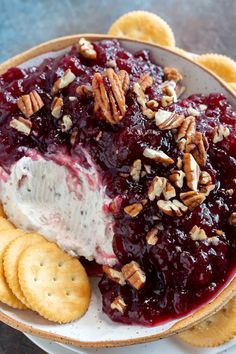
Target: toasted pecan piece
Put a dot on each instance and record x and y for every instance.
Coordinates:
(192, 199)
(205, 178)
(192, 171)
(232, 219)
(84, 91)
(135, 170)
(158, 156)
(56, 107)
(67, 78)
(114, 275)
(109, 97)
(86, 49)
(169, 191)
(124, 79)
(197, 234)
(220, 133)
(187, 128)
(134, 274)
(156, 187)
(177, 178)
(133, 209)
(145, 81)
(22, 125)
(197, 144)
(151, 236)
(30, 104)
(168, 120)
(172, 207)
(172, 74)
(118, 304)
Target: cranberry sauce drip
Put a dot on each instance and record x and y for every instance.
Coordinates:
(181, 273)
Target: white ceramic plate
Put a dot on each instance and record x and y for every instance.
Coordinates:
(95, 329)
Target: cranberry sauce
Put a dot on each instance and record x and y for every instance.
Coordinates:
(181, 273)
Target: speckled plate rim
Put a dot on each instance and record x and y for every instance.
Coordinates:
(202, 313)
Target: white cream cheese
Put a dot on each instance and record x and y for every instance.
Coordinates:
(64, 205)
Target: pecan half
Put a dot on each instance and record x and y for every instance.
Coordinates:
(219, 133)
(22, 125)
(197, 234)
(187, 128)
(114, 275)
(30, 104)
(84, 91)
(56, 107)
(168, 120)
(192, 171)
(192, 199)
(86, 49)
(124, 79)
(63, 82)
(177, 178)
(134, 274)
(118, 304)
(232, 219)
(145, 81)
(158, 156)
(197, 144)
(151, 236)
(172, 74)
(109, 96)
(172, 208)
(133, 209)
(156, 188)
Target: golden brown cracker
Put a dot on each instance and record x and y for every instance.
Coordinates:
(10, 262)
(2, 212)
(215, 330)
(54, 284)
(6, 295)
(221, 65)
(182, 52)
(233, 85)
(5, 224)
(143, 25)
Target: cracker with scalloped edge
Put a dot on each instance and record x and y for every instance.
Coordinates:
(10, 262)
(6, 295)
(215, 330)
(54, 283)
(143, 25)
(221, 65)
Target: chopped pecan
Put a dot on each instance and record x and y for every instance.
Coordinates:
(56, 107)
(169, 191)
(151, 236)
(142, 100)
(110, 98)
(114, 275)
(133, 209)
(152, 104)
(187, 128)
(219, 133)
(73, 136)
(86, 49)
(63, 82)
(202, 107)
(30, 104)
(213, 240)
(197, 234)
(230, 191)
(205, 178)
(179, 163)
(172, 74)
(84, 91)
(148, 169)
(192, 171)
(177, 177)
(134, 274)
(192, 199)
(172, 208)
(156, 188)
(232, 219)
(182, 145)
(145, 81)
(168, 120)
(66, 123)
(22, 125)
(124, 79)
(98, 137)
(193, 112)
(135, 170)
(118, 304)
(197, 144)
(219, 232)
(167, 101)
(158, 156)
(207, 189)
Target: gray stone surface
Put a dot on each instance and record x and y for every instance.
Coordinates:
(199, 25)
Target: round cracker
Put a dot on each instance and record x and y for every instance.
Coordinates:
(6, 295)
(221, 65)
(5, 224)
(54, 284)
(215, 330)
(233, 85)
(143, 25)
(10, 262)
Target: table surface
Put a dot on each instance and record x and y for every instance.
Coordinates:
(199, 26)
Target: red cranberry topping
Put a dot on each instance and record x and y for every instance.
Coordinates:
(181, 273)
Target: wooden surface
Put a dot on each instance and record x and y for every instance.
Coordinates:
(199, 26)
